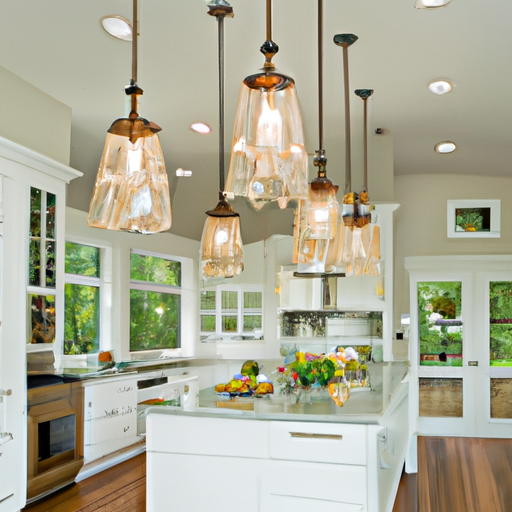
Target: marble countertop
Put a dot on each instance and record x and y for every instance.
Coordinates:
(389, 387)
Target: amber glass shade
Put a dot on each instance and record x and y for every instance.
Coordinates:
(132, 190)
(221, 243)
(269, 161)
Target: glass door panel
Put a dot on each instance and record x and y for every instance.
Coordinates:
(441, 398)
(440, 323)
(501, 398)
(500, 323)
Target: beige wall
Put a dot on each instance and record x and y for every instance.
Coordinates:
(421, 221)
(34, 119)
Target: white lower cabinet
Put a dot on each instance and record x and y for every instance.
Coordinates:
(110, 417)
(307, 486)
(219, 463)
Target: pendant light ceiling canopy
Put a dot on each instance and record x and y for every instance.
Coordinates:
(268, 155)
(132, 190)
(221, 242)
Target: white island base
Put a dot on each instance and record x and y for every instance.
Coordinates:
(293, 459)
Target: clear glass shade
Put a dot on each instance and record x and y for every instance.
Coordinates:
(221, 247)
(132, 190)
(355, 250)
(353, 246)
(269, 161)
(316, 223)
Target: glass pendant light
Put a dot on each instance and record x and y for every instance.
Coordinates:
(317, 218)
(221, 243)
(357, 243)
(132, 190)
(269, 162)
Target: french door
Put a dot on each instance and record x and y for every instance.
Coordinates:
(461, 346)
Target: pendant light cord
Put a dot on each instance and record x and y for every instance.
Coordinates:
(320, 77)
(269, 20)
(135, 30)
(365, 138)
(220, 20)
(348, 157)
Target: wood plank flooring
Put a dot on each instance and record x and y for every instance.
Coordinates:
(458, 474)
(454, 475)
(121, 488)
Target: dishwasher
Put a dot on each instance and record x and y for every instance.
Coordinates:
(174, 391)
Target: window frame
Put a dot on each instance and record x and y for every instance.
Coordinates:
(241, 312)
(134, 284)
(104, 283)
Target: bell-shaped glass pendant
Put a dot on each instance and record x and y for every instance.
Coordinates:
(269, 161)
(221, 243)
(132, 190)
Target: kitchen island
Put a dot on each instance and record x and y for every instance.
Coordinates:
(282, 455)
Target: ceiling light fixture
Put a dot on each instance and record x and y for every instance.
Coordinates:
(440, 87)
(317, 218)
(431, 4)
(201, 128)
(268, 123)
(445, 147)
(117, 26)
(132, 190)
(221, 251)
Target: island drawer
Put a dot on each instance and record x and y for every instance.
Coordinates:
(318, 442)
(307, 486)
(206, 435)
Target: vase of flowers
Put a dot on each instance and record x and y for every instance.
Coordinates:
(311, 372)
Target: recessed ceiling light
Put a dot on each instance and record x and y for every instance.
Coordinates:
(431, 4)
(117, 27)
(200, 127)
(440, 87)
(445, 147)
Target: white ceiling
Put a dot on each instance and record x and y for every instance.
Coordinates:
(59, 47)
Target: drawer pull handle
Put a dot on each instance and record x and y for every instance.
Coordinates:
(307, 435)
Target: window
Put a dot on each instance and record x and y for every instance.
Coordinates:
(81, 299)
(155, 302)
(230, 311)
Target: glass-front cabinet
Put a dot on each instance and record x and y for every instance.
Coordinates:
(42, 269)
(461, 345)
(321, 312)
(32, 196)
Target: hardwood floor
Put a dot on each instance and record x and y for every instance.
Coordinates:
(455, 474)
(464, 474)
(118, 489)
(458, 474)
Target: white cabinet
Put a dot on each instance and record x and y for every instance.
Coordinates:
(110, 416)
(301, 487)
(351, 299)
(227, 461)
(20, 169)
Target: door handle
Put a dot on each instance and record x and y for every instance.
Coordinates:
(472, 363)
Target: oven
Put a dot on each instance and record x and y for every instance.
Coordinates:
(55, 434)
